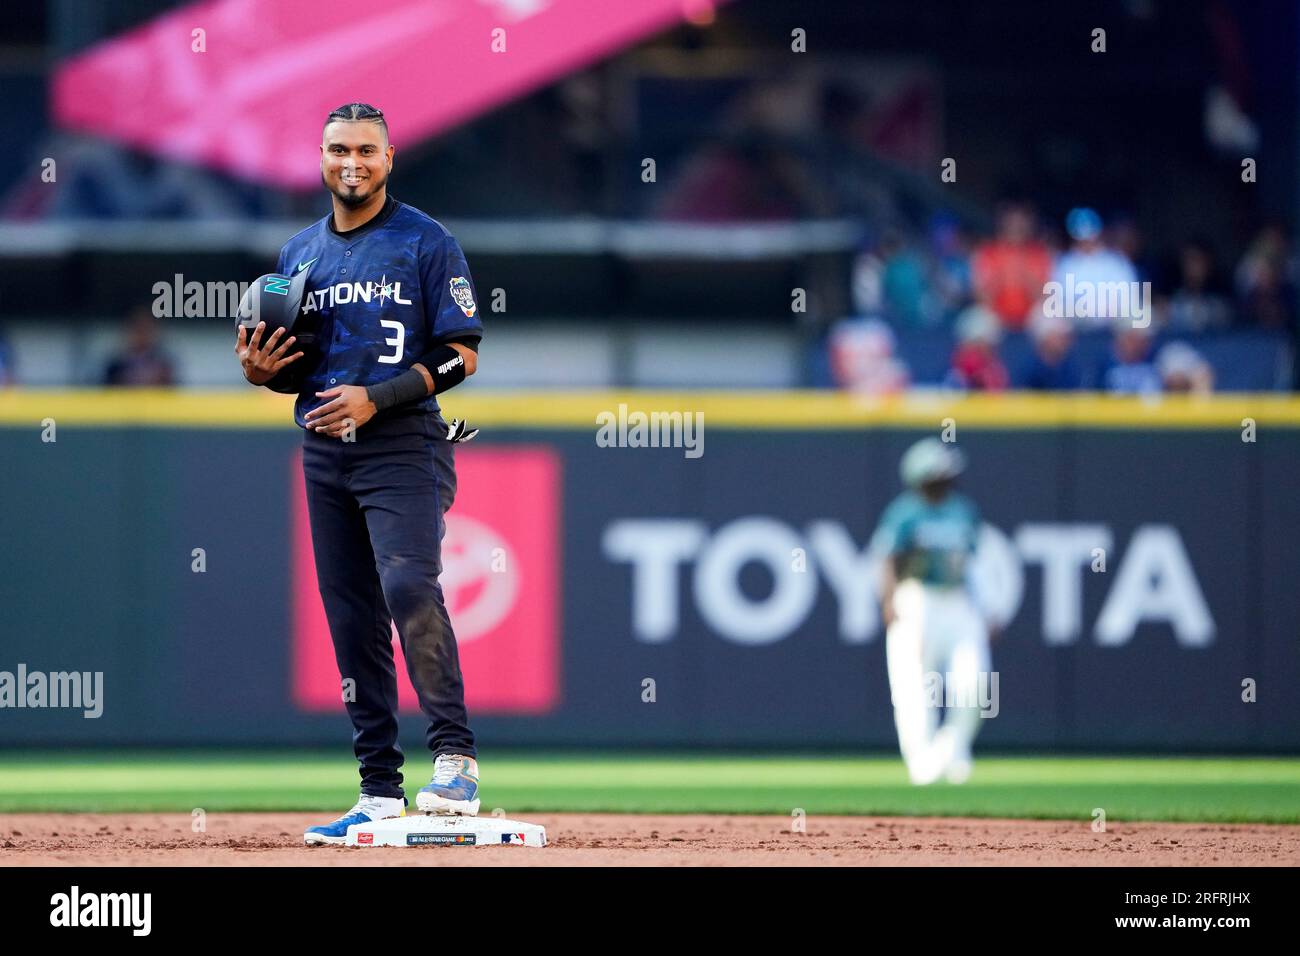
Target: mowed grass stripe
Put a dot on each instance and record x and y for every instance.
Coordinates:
(122, 772)
(1187, 789)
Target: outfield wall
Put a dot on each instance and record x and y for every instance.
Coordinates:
(160, 539)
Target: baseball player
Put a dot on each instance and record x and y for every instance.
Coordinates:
(936, 642)
(389, 307)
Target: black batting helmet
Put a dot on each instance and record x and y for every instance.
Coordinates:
(277, 300)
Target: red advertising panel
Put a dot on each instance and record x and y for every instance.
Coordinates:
(501, 580)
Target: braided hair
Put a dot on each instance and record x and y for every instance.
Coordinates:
(358, 112)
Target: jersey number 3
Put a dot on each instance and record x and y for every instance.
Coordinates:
(398, 341)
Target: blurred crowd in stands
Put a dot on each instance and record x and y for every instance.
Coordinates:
(986, 293)
(140, 359)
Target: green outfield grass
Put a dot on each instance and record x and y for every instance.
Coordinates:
(1127, 788)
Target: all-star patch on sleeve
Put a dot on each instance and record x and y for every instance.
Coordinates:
(450, 302)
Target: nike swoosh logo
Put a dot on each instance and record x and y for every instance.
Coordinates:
(304, 265)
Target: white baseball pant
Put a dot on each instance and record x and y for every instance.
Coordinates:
(937, 635)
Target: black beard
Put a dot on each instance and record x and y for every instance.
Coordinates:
(352, 199)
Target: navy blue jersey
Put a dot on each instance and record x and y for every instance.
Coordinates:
(384, 295)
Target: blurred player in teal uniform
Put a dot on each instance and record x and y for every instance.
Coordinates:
(936, 641)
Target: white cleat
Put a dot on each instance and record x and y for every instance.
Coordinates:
(958, 771)
(367, 810)
(453, 789)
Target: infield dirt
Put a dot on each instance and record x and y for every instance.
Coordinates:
(275, 839)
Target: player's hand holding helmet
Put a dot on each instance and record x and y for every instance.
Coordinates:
(263, 361)
(271, 333)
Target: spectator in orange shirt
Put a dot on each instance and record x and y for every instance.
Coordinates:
(1010, 270)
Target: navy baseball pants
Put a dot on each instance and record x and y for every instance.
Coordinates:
(376, 507)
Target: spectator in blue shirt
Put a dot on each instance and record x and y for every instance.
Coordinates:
(1130, 370)
(7, 376)
(1053, 366)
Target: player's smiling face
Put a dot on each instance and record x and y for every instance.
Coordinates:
(355, 159)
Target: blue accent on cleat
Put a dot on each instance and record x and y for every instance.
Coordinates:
(453, 789)
(462, 788)
(339, 828)
(365, 811)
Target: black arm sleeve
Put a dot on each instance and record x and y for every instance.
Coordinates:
(467, 339)
(398, 390)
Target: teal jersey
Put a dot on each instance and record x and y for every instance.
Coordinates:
(933, 541)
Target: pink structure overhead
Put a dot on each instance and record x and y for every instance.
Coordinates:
(249, 94)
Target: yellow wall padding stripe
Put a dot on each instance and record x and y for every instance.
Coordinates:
(259, 408)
